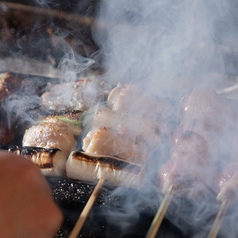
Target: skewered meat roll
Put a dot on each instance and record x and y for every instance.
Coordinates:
(92, 166)
(193, 167)
(52, 133)
(197, 151)
(108, 154)
(190, 165)
(120, 143)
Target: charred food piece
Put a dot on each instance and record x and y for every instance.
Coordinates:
(52, 162)
(91, 167)
(118, 156)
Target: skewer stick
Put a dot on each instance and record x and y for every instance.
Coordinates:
(217, 223)
(160, 213)
(83, 216)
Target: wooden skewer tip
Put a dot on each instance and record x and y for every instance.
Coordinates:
(83, 216)
(218, 220)
(160, 213)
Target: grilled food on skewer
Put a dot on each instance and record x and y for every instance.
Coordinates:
(61, 130)
(99, 163)
(228, 186)
(49, 143)
(196, 152)
(120, 143)
(190, 172)
(91, 167)
(190, 168)
(52, 133)
(117, 156)
(213, 117)
(193, 165)
(113, 153)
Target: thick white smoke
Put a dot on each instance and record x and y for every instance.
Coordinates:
(173, 45)
(169, 46)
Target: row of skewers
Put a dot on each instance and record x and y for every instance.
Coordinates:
(117, 148)
(204, 149)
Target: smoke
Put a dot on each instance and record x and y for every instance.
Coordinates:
(73, 65)
(167, 46)
(19, 102)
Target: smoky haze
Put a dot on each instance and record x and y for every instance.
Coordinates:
(169, 47)
(172, 45)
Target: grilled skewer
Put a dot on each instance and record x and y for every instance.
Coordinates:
(103, 169)
(118, 148)
(192, 167)
(103, 147)
(91, 166)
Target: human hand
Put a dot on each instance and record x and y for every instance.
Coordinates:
(27, 208)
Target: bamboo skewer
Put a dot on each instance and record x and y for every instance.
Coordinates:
(160, 213)
(83, 216)
(217, 223)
